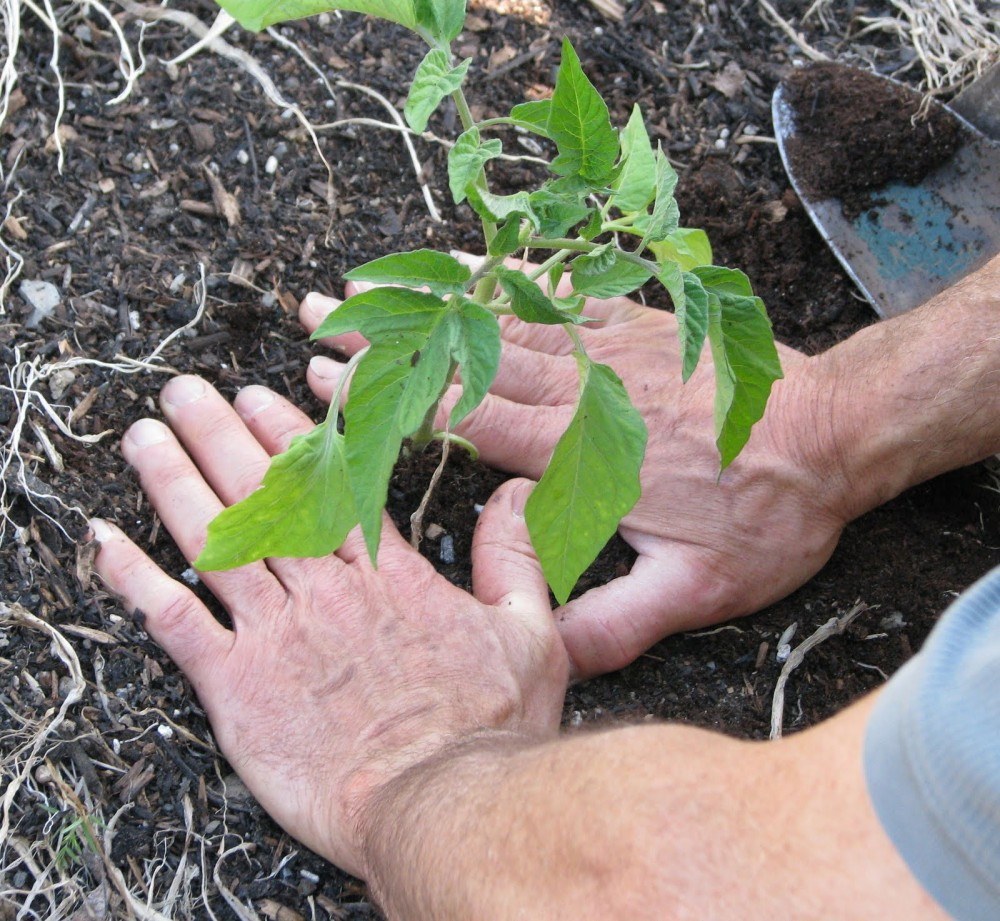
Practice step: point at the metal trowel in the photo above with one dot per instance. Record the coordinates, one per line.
(901, 241)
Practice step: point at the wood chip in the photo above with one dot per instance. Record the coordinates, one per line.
(241, 273)
(225, 203)
(201, 208)
(89, 633)
(275, 911)
(610, 8)
(12, 226)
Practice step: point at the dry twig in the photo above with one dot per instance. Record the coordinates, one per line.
(832, 627)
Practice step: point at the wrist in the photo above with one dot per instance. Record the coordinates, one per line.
(429, 802)
(909, 398)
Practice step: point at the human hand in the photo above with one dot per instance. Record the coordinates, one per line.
(708, 549)
(336, 678)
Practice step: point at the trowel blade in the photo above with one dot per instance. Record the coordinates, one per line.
(914, 241)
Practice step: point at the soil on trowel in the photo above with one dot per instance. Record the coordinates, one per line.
(856, 131)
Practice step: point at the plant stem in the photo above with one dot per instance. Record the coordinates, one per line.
(423, 435)
(334, 407)
(579, 246)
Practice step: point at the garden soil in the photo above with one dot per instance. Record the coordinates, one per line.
(123, 233)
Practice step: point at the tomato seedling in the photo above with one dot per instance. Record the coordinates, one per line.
(433, 317)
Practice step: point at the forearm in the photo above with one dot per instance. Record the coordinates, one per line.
(912, 397)
(660, 822)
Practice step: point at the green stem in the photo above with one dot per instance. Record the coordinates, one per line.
(461, 442)
(577, 341)
(578, 246)
(553, 260)
(334, 407)
(424, 435)
(468, 121)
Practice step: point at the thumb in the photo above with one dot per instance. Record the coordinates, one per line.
(505, 570)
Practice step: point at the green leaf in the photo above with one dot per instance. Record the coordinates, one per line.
(442, 19)
(417, 340)
(635, 184)
(466, 159)
(745, 358)
(442, 273)
(498, 208)
(689, 247)
(533, 116)
(724, 281)
(529, 302)
(560, 206)
(304, 507)
(580, 125)
(392, 387)
(259, 14)
(670, 276)
(665, 215)
(692, 323)
(607, 273)
(592, 481)
(434, 80)
(594, 225)
(507, 239)
(476, 348)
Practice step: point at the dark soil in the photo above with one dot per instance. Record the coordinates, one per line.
(856, 131)
(122, 232)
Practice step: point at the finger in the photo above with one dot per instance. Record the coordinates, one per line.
(505, 570)
(271, 420)
(186, 504)
(612, 625)
(314, 309)
(543, 338)
(513, 436)
(323, 376)
(226, 454)
(170, 612)
(536, 378)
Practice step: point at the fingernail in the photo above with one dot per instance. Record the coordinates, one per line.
(147, 432)
(318, 306)
(325, 368)
(519, 498)
(183, 390)
(100, 530)
(252, 400)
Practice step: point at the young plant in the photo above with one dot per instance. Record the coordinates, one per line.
(435, 317)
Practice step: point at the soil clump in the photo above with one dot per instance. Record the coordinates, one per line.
(856, 131)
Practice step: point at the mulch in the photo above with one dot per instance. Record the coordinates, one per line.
(120, 801)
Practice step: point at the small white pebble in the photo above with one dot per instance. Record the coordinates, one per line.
(446, 551)
(271, 166)
(242, 156)
(133, 318)
(478, 508)
(165, 731)
(784, 651)
(190, 576)
(720, 144)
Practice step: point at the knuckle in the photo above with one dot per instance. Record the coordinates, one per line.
(179, 609)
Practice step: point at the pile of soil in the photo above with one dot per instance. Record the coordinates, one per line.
(122, 231)
(856, 131)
